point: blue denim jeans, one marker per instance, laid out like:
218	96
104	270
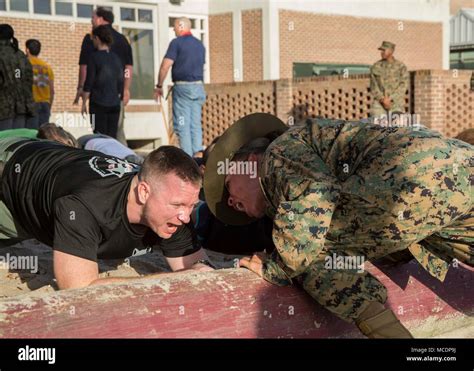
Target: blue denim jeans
43	112
187	105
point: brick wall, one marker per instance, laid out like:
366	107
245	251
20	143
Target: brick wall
455	5
60	47
220	48
227	102
310	37
444	101
252	45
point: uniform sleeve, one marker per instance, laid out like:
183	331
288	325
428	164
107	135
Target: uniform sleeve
377	93
183	242
400	90
172	52
301	223
76	231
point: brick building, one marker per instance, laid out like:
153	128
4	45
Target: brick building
245	41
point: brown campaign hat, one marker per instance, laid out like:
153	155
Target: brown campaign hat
387	45
241	132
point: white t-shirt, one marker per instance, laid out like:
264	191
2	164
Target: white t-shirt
109	146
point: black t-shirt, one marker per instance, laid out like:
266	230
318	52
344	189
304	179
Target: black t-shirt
120	46
104	78
75	201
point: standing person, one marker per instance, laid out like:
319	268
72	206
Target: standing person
43	85
104	84
121	47
186	55
388	83
16	80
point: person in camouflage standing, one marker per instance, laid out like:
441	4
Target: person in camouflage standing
388	83
16	81
353	189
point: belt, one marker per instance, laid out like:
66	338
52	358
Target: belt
187	82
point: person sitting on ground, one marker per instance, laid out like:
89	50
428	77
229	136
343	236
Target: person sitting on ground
89	206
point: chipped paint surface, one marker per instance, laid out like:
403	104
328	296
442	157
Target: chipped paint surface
228	303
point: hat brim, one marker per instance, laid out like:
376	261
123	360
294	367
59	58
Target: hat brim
241	132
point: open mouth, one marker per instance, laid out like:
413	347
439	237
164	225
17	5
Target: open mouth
172	227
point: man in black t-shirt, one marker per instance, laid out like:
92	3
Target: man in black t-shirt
121	47
90	206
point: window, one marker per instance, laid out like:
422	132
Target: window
141	42
19	5
84	10
127	14
63	8
3	4
462	59
145	15
314	69
42	6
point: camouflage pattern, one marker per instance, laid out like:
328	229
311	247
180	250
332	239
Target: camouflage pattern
16	81
356	189
388	79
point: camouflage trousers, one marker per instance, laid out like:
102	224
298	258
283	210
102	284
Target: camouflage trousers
417	196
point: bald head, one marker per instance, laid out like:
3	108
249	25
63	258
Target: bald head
182	25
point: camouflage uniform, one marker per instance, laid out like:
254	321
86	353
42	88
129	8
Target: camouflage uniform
356	189
16	82
9	64
388	79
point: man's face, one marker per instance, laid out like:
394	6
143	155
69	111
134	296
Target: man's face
97	21
169	204
386	53
245	195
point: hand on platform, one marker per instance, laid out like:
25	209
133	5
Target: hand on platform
254	263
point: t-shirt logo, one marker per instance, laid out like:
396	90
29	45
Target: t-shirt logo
106	166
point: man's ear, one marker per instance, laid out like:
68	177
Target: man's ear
143	190
252	157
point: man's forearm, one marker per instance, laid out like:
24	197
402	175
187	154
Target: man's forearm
82	76
162	75
128	73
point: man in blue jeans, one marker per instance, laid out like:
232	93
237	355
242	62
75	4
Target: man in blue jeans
186	55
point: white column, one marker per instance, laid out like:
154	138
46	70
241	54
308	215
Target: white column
237	45
271	41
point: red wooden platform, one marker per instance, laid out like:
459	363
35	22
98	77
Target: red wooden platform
228	304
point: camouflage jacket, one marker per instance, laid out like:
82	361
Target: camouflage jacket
9	67
334	183
389	79
16	83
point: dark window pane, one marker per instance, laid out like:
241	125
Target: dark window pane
42	6
84	10
3	4
172	19
145	15
141	42
127	14
63	8
19	5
